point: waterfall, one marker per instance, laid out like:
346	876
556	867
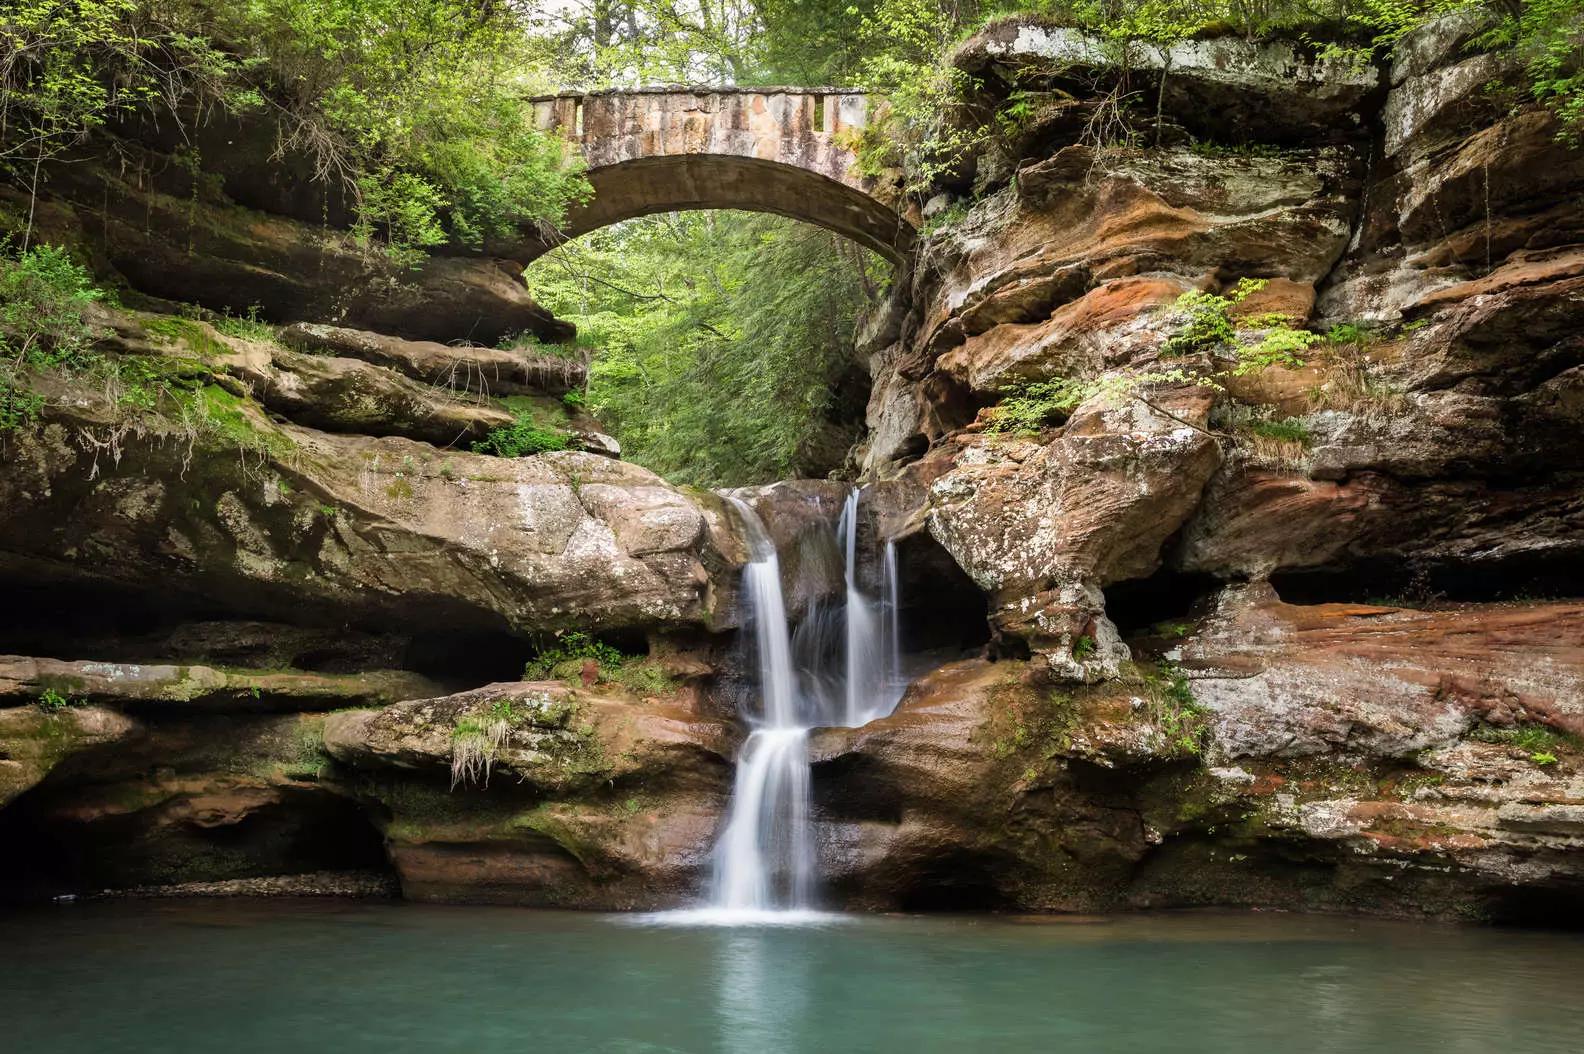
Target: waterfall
765	860
891	641
873	654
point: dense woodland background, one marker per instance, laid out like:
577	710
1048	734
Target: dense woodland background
721	344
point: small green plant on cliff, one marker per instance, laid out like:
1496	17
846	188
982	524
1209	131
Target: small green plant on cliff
476	740
43	298
1027	408
1535	740
1209	326
1179	715
563	660
248	327
1083	647
52	702
1543	758
521	438
1281	346
1288	429
571	647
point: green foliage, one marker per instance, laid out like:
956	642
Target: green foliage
1535	740
1209	326
415	109
521	438
1543	758
572	646
1289	429
1279	347
1208	323
1351	333
724	340
1235	150
575	399
947	218
564	659
52	702
1083	647
68	67
1027	408
1548	37
644	677
1175	709
247	327
43	297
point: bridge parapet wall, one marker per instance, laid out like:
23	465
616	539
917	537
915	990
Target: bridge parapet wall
801	127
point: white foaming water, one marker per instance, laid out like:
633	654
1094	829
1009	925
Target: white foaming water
874	679
767	609
765	860
891	641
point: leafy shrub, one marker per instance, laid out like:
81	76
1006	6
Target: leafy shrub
1027	408
571	647
1279	347
1209	325
1350	333
43	297
413	108
575	399
521	438
52	702
564	659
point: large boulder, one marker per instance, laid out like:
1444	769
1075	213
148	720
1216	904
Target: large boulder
1042	528
538	794
225	505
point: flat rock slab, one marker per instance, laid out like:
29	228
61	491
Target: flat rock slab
469	369
24	679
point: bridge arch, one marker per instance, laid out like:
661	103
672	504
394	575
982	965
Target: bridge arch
779	150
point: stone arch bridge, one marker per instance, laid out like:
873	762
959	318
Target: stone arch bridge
778	150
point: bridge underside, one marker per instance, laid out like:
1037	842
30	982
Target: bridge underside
645	186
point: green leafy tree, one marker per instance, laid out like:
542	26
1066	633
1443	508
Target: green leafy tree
724	340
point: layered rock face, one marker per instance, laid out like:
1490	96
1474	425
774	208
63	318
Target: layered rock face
1300	633
1335	757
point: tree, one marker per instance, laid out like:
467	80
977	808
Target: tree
724	340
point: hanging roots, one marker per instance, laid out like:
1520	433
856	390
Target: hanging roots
474	744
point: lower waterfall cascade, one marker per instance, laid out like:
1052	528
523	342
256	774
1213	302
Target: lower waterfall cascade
765	860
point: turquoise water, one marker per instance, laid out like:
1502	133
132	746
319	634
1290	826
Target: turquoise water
289	977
